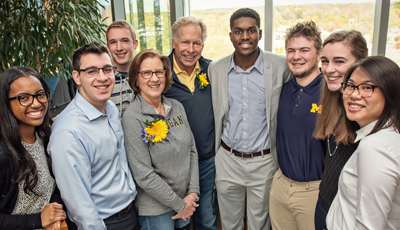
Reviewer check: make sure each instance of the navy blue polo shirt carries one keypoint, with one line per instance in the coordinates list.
(301, 157)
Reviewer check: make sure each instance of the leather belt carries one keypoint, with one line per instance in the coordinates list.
(245, 155)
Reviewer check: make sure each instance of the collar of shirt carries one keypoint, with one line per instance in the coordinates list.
(184, 77)
(150, 110)
(258, 65)
(310, 88)
(364, 131)
(88, 109)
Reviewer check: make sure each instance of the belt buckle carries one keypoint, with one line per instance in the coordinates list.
(247, 154)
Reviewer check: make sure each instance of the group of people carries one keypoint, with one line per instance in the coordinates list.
(152, 141)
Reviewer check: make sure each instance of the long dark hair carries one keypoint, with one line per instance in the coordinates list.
(10, 135)
(385, 74)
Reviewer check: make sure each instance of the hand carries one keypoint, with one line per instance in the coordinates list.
(190, 207)
(54, 226)
(51, 213)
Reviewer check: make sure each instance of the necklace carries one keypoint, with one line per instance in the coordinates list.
(329, 149)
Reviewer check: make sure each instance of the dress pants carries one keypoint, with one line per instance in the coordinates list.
(292, 204)
(243, 183)
(126, 219)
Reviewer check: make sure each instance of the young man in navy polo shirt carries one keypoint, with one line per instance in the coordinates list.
(294, 190)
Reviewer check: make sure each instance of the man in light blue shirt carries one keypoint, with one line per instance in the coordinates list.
(87, 149)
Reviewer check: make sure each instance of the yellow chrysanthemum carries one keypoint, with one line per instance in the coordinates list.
(158, 130)
(203, 80)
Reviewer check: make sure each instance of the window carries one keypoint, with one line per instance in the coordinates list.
(151, 20)
(393, 37)
(216, 15)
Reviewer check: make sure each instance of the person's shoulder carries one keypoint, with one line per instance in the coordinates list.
(387, 138)
(204, 61)
(134, 109)
(274, 57)
(216, 64)
(65, 118)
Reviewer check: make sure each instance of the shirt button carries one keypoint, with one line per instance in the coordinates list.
(244, 88)
(119, 150)
(301, 89)
(244, 104)
(299, 96)
(244, 146)
(244, 133)
(116, 133)
(297, 105)
(244, 119)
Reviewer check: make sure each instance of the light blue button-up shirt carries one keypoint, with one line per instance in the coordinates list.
(89, 163)
(246, 128)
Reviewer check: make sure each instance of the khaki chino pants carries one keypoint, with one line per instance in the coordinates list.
(292, 204)
(243, 184)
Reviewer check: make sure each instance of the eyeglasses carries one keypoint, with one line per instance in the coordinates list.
(26, 99)
(94, 72)
(148, 74)
(365, 90)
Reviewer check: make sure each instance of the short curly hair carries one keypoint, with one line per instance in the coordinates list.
(307, 29)
(245, 12)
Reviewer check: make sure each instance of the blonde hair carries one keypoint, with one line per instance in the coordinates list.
(122, 24)
(189, 20)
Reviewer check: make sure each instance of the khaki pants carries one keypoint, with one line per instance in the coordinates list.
(292, 204)
(243, 184)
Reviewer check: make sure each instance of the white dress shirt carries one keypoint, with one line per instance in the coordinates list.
(369, 191)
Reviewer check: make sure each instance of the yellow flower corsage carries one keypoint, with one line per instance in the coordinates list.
(203, 80)
(156, 131)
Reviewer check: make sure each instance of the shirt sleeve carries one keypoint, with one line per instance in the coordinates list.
(72, 170)
(377, 184)
(139, 160)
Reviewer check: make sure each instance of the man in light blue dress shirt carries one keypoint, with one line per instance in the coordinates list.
(87, 149)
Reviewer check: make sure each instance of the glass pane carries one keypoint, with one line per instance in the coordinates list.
(330, 16)
(393, 37)
(151, 20)
(107, 13)
(216, 15)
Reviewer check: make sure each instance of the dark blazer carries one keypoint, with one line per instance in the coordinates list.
(9, 195)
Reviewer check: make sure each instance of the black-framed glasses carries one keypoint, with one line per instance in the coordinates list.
(26, 99)
(365, 90)
(94, 72)
(148, 74)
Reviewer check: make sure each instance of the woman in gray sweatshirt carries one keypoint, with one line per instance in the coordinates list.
(165, 168)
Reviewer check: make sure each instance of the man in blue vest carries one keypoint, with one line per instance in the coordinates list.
(191, 88)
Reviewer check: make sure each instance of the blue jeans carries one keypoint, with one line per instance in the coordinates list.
(205, 215)
(320, 217)
(162, 222)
